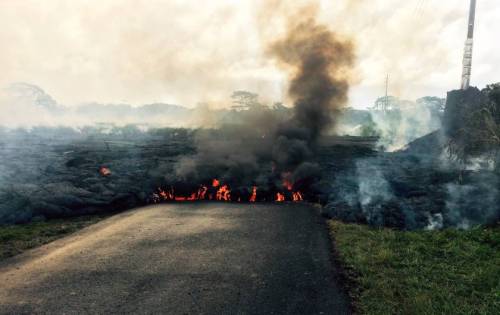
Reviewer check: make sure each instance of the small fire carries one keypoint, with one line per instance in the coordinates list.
(202, 192)
(253, 197)
(297, 196)
(167, 195)
(222, 192)
(280, 197)
(104, 171)
(190, 198)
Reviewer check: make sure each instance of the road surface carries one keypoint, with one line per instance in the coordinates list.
(192, 258)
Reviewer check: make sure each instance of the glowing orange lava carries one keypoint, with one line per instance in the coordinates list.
(104, 171)
(202, 192)
(223, 194)
(253, 197)
(297, 196)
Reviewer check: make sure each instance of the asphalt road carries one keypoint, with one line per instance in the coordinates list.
(208, 258)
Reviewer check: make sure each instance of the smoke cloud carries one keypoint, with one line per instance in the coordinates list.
(319, 63)
(271, 148)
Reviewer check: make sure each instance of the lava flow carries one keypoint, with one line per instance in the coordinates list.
(223, 192)
(253, 197)
(104, 171)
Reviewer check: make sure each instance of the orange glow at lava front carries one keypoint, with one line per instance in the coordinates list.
(202, 193)
(297, 196)
(190, 198)
(104, 171)
(224, 193)
(166, 195)
(253, 197)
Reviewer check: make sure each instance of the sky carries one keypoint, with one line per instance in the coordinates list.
(189, 52)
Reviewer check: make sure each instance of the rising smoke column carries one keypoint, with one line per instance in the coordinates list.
(319, 64)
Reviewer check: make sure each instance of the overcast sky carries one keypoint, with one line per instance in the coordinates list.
(190, 51)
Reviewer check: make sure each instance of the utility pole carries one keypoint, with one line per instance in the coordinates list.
(469, 42)
(382, 103)
(386, 100)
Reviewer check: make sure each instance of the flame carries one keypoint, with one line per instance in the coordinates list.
(104, 171)
(166, 195)
(253, 197)
(297, 196)
(201, 193)
(183, 198)
(224, 193)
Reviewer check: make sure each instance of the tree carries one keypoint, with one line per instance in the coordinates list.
(433, 103)
(244, 100)
(479, 135)
(493, 92)
(386, 103)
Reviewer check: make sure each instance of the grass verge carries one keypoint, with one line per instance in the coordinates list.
(422, 272)
(14, 239)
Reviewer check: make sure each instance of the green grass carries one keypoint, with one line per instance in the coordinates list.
(423, 272)
(15, 239)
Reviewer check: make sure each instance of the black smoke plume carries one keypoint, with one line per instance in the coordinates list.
(265, 149)
(319, 63)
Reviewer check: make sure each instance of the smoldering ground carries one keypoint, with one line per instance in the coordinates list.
(448, 178)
